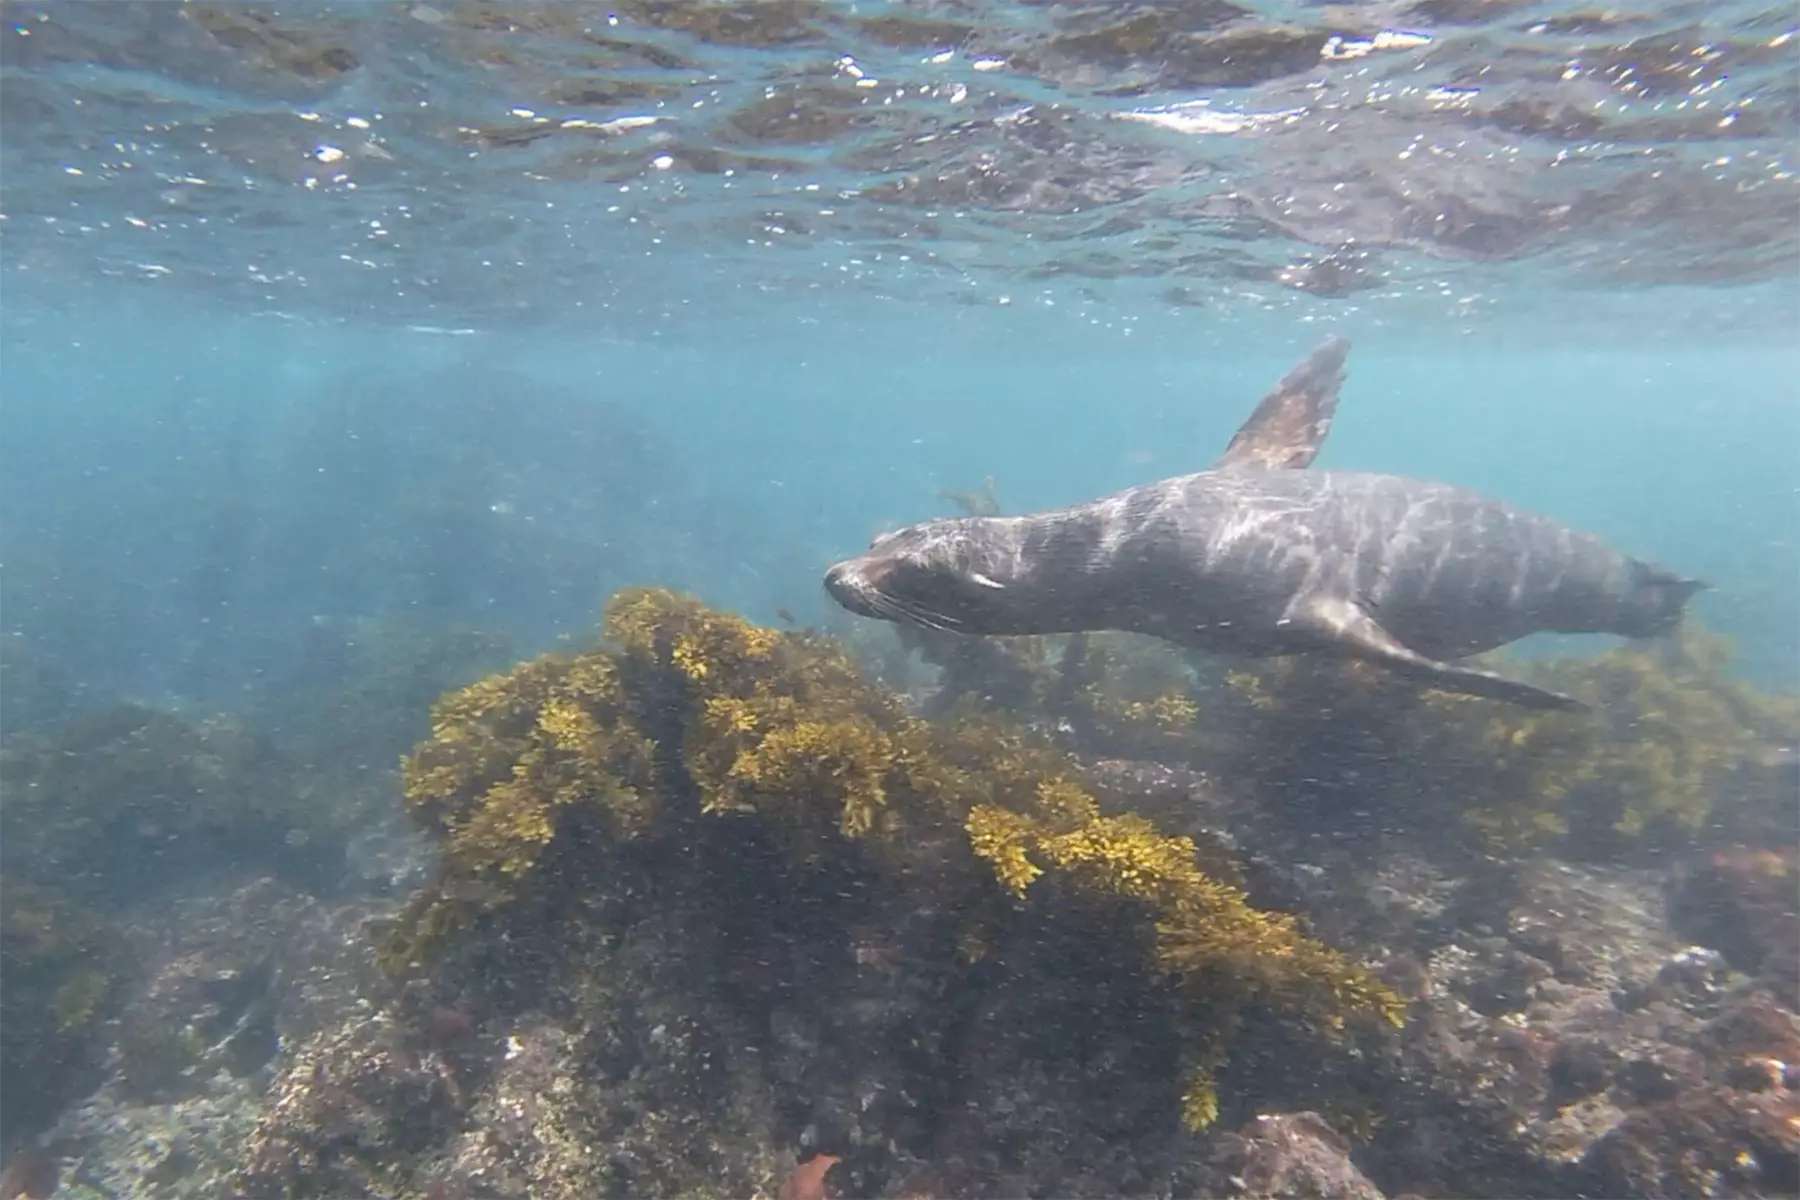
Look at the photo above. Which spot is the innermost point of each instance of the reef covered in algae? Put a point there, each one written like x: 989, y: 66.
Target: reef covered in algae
x: 131, y: 799
x: 710, y: 902
x: 59, y: 963
x: 708, y: 910
x: 693, y: 733
x: 1673, y: 752
x: 113, y: 810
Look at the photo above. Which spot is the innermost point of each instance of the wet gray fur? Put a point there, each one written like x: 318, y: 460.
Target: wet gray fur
x: 1261, y: 557
x: 1260, y: 562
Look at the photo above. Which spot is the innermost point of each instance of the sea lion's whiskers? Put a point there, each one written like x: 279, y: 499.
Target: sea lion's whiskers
x: 912, y: 611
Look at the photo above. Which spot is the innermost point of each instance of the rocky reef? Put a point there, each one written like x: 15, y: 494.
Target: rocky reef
x: 132, y: 800
x: 57, y: 988
x: 1674, y: 750
x: 115, y: 817
x: 817, y: 838
x: 707, y: 910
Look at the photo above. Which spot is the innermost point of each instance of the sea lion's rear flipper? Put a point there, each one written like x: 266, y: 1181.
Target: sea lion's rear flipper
x: 1289, y: 426
x: 1351, y: 627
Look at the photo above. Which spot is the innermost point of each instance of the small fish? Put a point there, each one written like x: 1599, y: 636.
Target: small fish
x: 807, y: 1181
x: 786, y: 614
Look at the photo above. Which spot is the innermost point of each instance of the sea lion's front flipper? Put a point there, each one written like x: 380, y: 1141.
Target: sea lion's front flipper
x: 1290, y: 424
x: 1351, y: 627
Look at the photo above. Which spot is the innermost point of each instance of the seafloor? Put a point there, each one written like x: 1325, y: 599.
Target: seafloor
x: 706, y: 909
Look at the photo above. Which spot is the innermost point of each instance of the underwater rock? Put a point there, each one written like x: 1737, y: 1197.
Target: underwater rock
x: 348, y: 1111
x: 389, y: 857
x: 1054, y: 1088
x: 1566, y: 1041
x: 1289, y: 1156
x: 226, y: 981
x: 228, y: 977
x: 1564, y: 1038
x: 1711, y: 1143
x: 123, y: 1151
x: 131, y: 801
x: 1745, y: 901
x: 60, y: 968
x: 619, y: 1083
x: 1595, y: 927
x: 528, y: 1131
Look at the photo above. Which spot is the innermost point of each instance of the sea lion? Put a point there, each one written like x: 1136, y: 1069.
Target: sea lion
x: 1258, y: 558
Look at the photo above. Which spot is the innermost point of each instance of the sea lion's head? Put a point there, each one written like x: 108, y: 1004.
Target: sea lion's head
x: 947, y: 575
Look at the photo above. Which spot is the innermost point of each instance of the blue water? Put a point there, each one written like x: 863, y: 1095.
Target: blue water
x: 180, y: 518
x: 472, y: 316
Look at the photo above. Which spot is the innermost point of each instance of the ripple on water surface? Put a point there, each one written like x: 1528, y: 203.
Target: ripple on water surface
x: 489, y: 160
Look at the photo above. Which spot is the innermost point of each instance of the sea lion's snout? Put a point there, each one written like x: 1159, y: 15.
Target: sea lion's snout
x: 850, y: 585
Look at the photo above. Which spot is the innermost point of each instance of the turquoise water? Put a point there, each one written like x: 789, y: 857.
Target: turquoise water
x: 185, y: 505
x: 473, y: 313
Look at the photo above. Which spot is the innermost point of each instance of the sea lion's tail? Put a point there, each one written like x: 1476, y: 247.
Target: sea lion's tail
x: 1657, y: 600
